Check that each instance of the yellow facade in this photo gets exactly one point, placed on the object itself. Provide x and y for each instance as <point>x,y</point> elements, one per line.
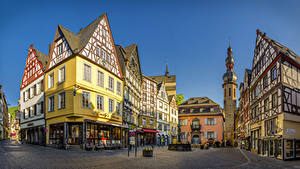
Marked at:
<point>74,83</point>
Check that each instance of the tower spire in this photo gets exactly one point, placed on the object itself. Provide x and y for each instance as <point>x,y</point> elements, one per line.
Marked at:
<point>167,70</point>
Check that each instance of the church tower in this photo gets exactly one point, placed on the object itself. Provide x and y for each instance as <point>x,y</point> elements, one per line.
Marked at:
<point>230,87</point>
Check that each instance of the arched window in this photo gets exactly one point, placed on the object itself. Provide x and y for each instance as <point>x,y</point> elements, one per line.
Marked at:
<point>196,122</point>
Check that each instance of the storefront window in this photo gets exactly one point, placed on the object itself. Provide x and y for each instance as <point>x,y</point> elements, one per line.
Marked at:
<point>289,153</point>
<point>297,145</point>
<point>279,148</point>
<point>116,135</point>
<point>56,134</point>
<point>271,148</point>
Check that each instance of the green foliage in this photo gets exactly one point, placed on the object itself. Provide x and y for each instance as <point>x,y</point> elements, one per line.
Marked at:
<point>12,111</point>
<point>179,99</point>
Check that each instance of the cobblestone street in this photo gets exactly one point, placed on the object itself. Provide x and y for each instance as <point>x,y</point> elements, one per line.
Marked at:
<point>13,155</point>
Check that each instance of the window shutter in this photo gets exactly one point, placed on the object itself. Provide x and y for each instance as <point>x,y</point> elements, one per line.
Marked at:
<point>205,134</point>
<point>205,122</point>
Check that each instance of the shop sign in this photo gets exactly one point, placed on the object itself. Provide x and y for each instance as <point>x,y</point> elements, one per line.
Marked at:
<point>104,115</point>
<point>132,140</point>
<point>290,131</point>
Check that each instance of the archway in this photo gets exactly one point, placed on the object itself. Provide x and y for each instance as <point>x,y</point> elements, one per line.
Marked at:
<point>196,139</point>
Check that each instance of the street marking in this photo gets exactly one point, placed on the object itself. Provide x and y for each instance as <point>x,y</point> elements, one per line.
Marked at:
<point>246,163</point>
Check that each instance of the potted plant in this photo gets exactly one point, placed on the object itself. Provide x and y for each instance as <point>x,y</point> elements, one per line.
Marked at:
<point>147,152</point>
<point>206,146</point>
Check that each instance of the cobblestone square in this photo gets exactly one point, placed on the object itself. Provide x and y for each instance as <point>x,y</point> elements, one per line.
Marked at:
<point>13,155</point>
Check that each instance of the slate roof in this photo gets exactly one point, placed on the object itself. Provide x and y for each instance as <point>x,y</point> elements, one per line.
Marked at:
<point>280,48</point>
<point>42,58</point>
<point>163,78</point>
<point>79,40</point>
<point>198,101</point>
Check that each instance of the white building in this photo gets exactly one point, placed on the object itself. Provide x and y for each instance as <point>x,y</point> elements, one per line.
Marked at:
<point>163,126</point>
<point>32,116</point>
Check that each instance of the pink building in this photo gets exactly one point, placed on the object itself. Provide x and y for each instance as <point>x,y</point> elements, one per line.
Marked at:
<point>201,120</point>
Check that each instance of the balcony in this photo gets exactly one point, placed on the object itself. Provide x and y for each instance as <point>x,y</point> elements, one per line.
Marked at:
<point>195,127</point>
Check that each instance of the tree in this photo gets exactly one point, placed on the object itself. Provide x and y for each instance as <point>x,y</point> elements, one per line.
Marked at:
<point>179,99</point>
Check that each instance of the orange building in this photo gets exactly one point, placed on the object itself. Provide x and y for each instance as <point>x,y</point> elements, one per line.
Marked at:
<point>201,120</point>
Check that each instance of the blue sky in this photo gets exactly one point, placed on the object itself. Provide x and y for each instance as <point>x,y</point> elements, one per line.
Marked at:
<point>191,36</point>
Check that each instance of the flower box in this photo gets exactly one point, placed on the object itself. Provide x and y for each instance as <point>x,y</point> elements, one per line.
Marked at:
<point>147,153</point>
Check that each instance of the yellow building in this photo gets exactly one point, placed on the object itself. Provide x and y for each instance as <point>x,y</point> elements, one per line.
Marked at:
<point>83,87</point>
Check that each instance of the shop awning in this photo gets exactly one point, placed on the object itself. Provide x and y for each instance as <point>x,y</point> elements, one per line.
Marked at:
<point>148,131</point>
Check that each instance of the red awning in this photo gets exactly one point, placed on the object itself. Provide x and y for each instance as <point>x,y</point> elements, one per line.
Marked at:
<point>148,131</point>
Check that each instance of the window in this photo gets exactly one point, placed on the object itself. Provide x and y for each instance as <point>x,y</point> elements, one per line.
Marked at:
<point>59,49</point>
<point>229,92</point>
<point>273,73</point>
<point>210,134</point>
<point>31,92</point>
<point>32,111</point>
<point>100,102</point>
<point>51,80</point>
<point>119,88</point>
<point>61,100</point>
<point>51,104</point>
<point>98,51</point>
<point>85,99</point>
<point>119,108</point>
<point>145,97</point>
<point>38,88</point>
<point>152,88</point>
<point>211,121</point>
<point>100,79</point>
<point>151,123</point>
<point>265,81</point>
<point>160,116</point>
<point>234,92</point>
<point>111,105</point>
<point>26,95</point>
<point>270,127</point>
<point>160,105</point>
<point>274,100</point>
<point>87,72</point>
<point>266,105</point>
<point>144,122</point>
<point>108,57</point>
<point>61,74</point>
<point>103,54</point>
<point>111,83</point>
<point>152,99</point>
<point>26,113</point>
<point>40,108</point>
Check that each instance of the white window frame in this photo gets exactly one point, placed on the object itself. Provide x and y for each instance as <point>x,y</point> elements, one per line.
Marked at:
<point>89,77</point>
<point>59,74</point>
<point>50,81</point>
<point>112,88</point>
<point>59,106</point>
<point>111,105</point>
<point>100,81</point>
<point>50,106</point>
<point>89,99</point>
<point>102,97</point>
<point>119,88</point>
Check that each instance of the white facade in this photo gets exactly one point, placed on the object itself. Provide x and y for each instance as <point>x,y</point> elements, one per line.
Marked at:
<point>32,104</point>
<point>163,117</point>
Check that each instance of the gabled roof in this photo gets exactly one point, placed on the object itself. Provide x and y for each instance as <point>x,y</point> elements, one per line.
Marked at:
<point>170,97</point>
<point>198,101</point>
<point>42,58</point>
<point>163,78</point>
<point>124,54</point>
<point>280,48</point>
<point>78,41</point>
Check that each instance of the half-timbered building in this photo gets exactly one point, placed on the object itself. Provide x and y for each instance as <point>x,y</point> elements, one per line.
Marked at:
<point>148,113</point>
<point>173,118</point>
<point>275,99</point>
<point>32,120</point>
<point>163,116</point>
<point>242,117</point>
<point>84,88</point>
